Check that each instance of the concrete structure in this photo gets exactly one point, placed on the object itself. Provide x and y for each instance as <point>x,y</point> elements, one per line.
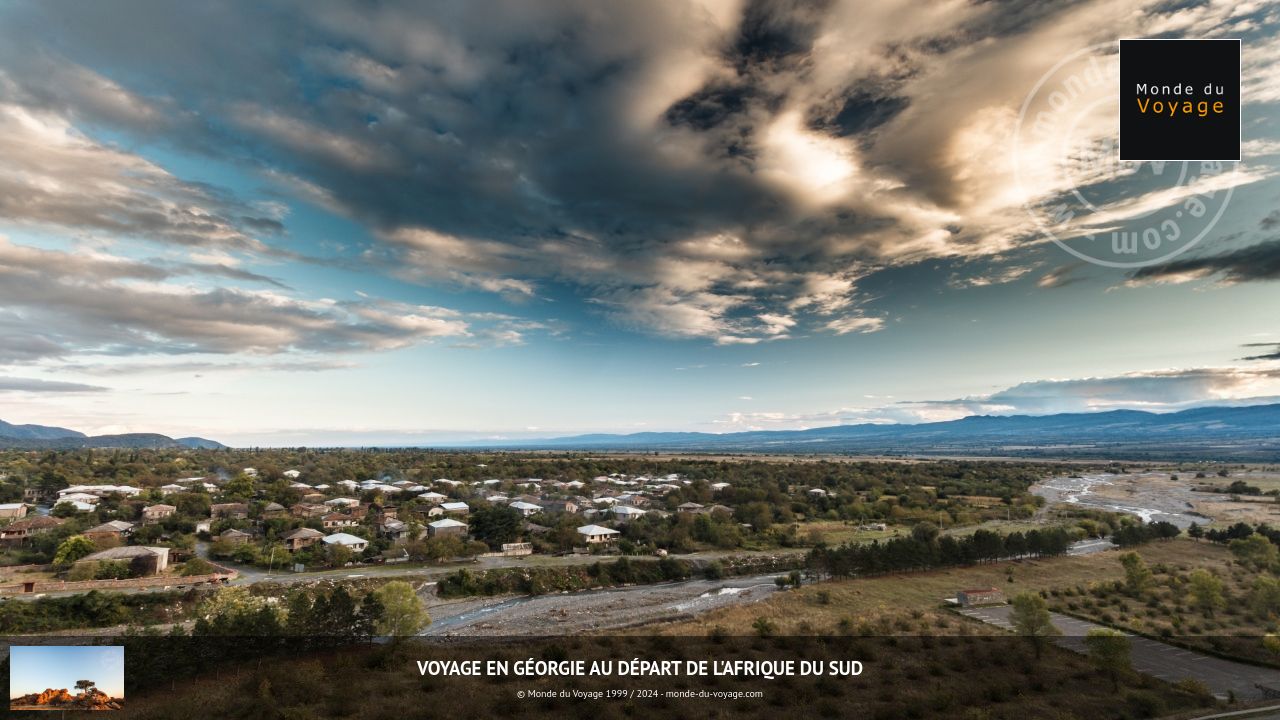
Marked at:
<point>13,511</point>
<point>229,510</point>
<point>148,560</point>
<point>980,596</point>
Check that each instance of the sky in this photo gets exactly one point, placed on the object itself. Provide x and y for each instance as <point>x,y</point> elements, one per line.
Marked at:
<point>326,222</point>
<point>36,668</point>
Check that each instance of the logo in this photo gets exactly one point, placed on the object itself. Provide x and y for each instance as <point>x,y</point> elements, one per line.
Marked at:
<point>1101,209</point>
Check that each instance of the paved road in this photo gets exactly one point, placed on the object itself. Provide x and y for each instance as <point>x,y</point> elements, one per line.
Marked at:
<point>1161,660</point>
<point>1089,547</point>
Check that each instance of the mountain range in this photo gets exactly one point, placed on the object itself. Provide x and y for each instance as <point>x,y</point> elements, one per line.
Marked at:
<point>1251,432</point>
<point>40,437</point>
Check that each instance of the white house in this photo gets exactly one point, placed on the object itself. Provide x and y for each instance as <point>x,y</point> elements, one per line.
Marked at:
<point>356,544</point>
<point>455,508</point>
<point>625,513</point>
<point>433,497</point>
<point>292,474</point>
<point>342,502</point>
<point>171,488</point>
<point>594,534</point>
<point>526,508</point>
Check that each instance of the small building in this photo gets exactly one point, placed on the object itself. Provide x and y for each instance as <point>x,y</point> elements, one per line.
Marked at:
<point>13,511</point>
<point>229,510</point>
<point>301,538</point>
<point>152,513</point>
<point>116,530</point>
<point>308,510</point>
<point>354,543</point>
<point>689,507</point>
<point>171,488</point>
<point>980,596</point>
<point>525,508</point>
<point>596,534</point>
<point>232,536</point>
<point>20,530</point>
<point>274,510</point>
<point>561,506</point>
<point>337,520</point>
<point>626,513</point>
<point>455,508</point>
<point>447,526</point>
<point>145,560</point>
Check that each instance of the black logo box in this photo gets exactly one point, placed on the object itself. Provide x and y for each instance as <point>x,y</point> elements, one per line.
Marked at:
<point>1185,67</point>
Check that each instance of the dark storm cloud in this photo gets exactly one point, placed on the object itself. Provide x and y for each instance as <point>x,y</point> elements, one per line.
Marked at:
<point>1248,264</point>
<point>1272,351</point>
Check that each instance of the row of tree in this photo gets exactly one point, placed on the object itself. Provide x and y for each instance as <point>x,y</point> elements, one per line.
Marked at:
<point>923,550</point>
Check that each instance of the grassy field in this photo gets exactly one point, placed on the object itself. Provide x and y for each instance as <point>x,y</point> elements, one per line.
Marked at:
<point>913,602</point>
<point>1167,609</point>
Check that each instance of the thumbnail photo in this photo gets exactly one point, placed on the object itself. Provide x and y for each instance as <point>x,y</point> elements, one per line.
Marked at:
<point>66,677</point>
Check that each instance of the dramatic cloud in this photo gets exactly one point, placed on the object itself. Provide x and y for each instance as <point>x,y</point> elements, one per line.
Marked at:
<point>92,303</point>
<point>719,169</point>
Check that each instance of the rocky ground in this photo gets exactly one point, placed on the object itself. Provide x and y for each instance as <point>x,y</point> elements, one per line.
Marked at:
<point>60,699</point>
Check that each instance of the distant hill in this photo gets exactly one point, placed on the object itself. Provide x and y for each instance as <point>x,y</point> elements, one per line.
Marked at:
<point>41,437</point>
<point>1240,433</point>
<point>36,432</point>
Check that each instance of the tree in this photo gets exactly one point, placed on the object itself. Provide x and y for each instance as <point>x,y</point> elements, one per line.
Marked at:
<point>1255,552</point>
<point>84,685</point>
<point>1195,531</point>
<point>1137,576</point>
<point>925,532</point>
<point>1031,619</point>
<point>1109,653</point>
<point>1206,591</point>
<point>402,610</point>
<point>1265,597</point>
<point>72,549</point>
<point>495,525</point>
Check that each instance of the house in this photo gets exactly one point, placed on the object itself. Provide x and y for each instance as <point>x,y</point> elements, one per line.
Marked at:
<point>15,511</point>
<point>394,530</point>
<point>20,530</point>
<point>229,510</point>
<point>274,510</point>
<point>171,488</point>
<point>292,474</point>
<point>232,536</point>
<point>100,490</point>
<point>447,526</point>
<point>355,544</point>
<point>145,560</point>
<point>337,520</point>
<point>525,508</point>
<point>301,538</point>
<point>561,506</point>
<point>342,502</point>
<point>817,492</point>
<point>455,508</point>
<point>81,498</point>
<point>596,534</point>
<point>626,513</point>
<point>689,507</point>
<point>114,530</point>
<point>152,513</point>
<point>308,510</point>
<point>980,596</point>
<point>717,487</point>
